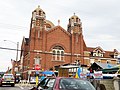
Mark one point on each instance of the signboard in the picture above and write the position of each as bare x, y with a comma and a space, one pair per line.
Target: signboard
98, 75
37, 67
83, 75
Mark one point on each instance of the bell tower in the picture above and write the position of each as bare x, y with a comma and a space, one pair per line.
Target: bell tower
37, 36
75, 29
74, 25
38, 17
37, 29
37, 23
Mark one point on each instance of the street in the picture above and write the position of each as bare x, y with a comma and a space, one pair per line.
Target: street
17, 87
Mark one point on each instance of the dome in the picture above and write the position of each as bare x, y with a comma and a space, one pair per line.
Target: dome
74, 20
48, 24
38, 9
74, 23
74, 17
38, 13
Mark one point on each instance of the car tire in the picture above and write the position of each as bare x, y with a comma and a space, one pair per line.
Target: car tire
13, 85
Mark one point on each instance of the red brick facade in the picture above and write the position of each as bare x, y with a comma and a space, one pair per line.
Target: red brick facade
51, 46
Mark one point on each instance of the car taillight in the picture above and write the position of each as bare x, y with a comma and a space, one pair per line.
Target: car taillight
2, 79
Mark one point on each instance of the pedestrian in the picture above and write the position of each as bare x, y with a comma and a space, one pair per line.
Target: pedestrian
102, 87
43, 76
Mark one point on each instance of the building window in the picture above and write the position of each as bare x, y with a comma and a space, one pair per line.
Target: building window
98, 53
58, 53
99, 61
37, 61
115, 56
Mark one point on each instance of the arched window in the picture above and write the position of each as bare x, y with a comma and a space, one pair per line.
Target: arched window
98, 53
54, 52
37, 61
58, 53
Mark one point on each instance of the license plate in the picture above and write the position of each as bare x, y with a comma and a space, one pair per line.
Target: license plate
8, 81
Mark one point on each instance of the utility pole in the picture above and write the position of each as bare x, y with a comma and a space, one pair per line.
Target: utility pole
17, 52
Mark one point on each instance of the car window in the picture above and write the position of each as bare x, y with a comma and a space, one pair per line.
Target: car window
8, 76
43, 82
75, 84
33, 78
51, 82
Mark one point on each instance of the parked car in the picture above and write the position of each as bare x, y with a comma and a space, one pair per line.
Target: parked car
64, 83
33, 80
0, 80
8, 79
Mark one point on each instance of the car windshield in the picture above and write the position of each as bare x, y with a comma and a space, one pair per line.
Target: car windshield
8, 76
75, 84
33, 77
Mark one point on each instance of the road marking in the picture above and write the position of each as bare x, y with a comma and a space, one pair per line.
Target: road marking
21, 87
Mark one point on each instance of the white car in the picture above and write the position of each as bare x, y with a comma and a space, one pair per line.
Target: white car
32, 80
8, 79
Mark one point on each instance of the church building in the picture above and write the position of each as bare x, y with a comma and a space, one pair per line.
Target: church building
50, 46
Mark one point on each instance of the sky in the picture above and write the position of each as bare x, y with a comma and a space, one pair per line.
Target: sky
100, 22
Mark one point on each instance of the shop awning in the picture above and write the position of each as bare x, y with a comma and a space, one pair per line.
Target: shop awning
110, 70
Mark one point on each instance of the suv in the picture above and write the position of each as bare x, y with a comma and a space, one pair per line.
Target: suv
8, 79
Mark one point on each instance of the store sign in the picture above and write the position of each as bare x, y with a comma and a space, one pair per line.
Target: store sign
37, 67
98, 75
83, 75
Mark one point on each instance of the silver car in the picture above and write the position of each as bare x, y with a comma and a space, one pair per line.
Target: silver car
8, 79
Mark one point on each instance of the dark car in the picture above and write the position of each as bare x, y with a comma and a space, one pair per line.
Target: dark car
0, 80
8, 79
64, 83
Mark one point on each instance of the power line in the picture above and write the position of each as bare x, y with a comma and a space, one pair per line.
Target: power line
11, 26
41, 52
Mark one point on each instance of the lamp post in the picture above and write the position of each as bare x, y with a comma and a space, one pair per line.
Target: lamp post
16, 69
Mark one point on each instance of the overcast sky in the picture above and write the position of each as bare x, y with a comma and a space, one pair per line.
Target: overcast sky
100, 22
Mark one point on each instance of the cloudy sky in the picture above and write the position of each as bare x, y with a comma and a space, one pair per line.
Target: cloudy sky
100, 22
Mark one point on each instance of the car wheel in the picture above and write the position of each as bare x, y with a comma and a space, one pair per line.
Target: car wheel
13, 85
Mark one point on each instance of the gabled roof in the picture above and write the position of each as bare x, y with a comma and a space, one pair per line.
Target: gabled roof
91, 49
107, 54
96, 65
105, 65
58, 27
99, 48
